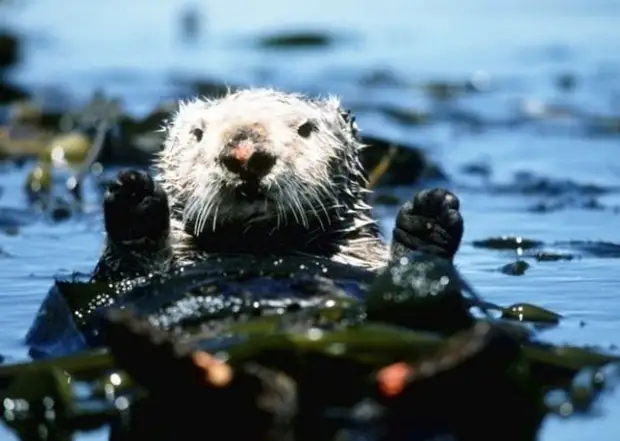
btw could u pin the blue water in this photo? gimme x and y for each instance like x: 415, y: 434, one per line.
x: 133, y: 49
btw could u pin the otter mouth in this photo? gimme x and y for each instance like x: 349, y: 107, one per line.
x: 250, y: 192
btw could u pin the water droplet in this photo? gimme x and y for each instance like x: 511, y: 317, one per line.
x: 115, y: 379
x: 121, y: 403
x: 337, y: 348
x: 566, y: 409
x: 42, y: 431
x: 8, y: 404
x: 315, y: 334
x: 48, y: 402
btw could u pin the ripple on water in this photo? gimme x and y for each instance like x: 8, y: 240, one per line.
x: 36, y: 256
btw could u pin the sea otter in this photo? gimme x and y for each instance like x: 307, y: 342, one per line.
x: 260, y: 171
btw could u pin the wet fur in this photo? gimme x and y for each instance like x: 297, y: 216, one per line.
x: 317, y: 187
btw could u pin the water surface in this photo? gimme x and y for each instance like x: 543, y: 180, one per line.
x: 133, y: 49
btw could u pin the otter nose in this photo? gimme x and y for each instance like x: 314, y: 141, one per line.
x: 246, y: 161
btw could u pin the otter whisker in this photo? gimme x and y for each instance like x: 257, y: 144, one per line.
x: 197, y: 220
x: 313, y: 210
x: 299, y: 203
x: 328, y: 195
x: 192, y: 210
x: 217, y: 207
x: 302, y: 214
x: 203, y: 214
x: 280, y: 212
x: 213, y: 205
x: 288, y: 197
x: 315, y: 234
x: 197, y: 215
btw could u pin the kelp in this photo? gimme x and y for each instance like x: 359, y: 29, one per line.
x: 294, y: 348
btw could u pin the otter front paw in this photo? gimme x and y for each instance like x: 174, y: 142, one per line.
x: 431, y: 223
x: 135, y: 207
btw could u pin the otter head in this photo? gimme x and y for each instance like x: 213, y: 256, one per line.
x: 261, y: 156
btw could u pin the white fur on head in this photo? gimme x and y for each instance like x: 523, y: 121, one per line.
x: 303, y: 182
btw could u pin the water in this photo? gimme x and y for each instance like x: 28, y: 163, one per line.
x: 132, y: 49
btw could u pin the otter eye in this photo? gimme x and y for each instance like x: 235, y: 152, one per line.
x: 306, y: 129
x: 197, y: 134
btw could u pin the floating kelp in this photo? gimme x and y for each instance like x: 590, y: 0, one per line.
x: 516, y: 268
x: 528, y: 183
x: 226, y: 286
x: 64, y: 159
x: 549, y: 194
x: 9, y: 49
x: 507, y: 243
x: 406, y: 117
x: 10, y: 92
x: 530, y: 313
x: 538, y: 250
x: 297, y: 40
x: 525, y: 249
x: 390, y: 164
x: 33, y: 132
x: 291, y: 347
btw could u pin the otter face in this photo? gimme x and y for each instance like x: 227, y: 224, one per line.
x: 258, y: 155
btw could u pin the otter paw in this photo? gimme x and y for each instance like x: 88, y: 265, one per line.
x: 135, y: 207
x: 431, y: 222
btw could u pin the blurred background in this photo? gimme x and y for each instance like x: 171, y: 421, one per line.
x: 512, y: 104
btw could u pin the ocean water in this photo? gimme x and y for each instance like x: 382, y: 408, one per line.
x: 135, y: 50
